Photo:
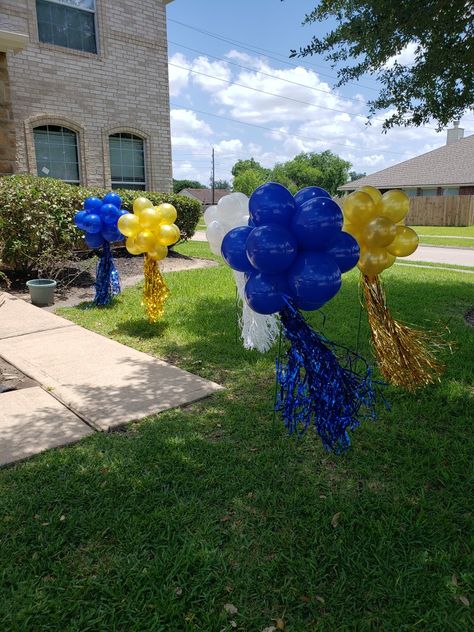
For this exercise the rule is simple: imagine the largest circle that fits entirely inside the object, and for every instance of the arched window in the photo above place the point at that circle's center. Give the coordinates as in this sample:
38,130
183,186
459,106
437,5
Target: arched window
56,153
127,161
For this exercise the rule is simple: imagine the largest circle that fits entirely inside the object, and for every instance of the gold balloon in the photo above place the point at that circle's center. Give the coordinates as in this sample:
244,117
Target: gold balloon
373,261
158,252
141,203
380,232
167,234
390,260
150,218
145,240
405,242
395,205
374,194
132,246
358,208
168,213
355,231
128,225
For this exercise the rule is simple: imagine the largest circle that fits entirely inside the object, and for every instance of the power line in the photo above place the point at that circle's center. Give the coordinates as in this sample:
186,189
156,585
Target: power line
277,131
255,49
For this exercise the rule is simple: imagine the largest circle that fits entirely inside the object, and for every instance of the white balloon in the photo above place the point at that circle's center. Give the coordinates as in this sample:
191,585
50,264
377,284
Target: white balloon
230,209
210,214
215,234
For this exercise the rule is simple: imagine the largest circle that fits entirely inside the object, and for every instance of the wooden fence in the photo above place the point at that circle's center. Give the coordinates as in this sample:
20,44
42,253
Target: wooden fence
439,210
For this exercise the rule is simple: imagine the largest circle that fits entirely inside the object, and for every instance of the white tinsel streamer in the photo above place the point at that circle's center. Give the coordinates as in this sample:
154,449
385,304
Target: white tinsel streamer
258,331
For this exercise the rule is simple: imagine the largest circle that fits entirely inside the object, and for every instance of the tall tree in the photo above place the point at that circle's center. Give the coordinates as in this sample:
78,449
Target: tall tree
438,84
222,184
245,165
248,180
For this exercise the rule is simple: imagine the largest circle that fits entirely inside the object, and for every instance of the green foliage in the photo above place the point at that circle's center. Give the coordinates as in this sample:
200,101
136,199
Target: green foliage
353,175
222,184
438,84
179,185
247,181
325,170
36,218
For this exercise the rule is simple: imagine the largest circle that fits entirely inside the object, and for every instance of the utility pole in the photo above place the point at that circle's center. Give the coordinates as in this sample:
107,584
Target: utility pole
213,177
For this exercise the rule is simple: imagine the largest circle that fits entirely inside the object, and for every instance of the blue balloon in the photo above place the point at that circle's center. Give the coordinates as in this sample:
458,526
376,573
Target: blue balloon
265,293
111,233
308,193
79,218
94,240
271,203
345,251
314,279
109,214
92,223
233,249
317,224
92,204
113,198
271,248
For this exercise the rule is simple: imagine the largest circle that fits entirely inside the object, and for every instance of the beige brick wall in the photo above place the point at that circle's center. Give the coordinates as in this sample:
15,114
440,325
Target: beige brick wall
7,125
122,88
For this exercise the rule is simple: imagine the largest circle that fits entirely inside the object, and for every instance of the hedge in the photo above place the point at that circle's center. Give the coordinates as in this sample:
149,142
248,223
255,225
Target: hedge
36,217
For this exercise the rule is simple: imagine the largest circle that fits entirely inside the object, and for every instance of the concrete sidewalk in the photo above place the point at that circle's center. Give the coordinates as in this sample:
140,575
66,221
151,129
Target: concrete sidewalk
442,254
88,382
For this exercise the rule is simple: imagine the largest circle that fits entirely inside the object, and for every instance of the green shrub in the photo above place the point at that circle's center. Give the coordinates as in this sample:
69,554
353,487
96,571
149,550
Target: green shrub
36,218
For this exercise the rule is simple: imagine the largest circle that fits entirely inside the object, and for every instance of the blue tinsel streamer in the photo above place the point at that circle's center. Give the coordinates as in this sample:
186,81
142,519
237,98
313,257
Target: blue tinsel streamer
316,389
107,284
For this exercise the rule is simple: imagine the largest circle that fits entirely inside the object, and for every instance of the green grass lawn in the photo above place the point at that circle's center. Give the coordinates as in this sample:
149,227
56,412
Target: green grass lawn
159,527
446,235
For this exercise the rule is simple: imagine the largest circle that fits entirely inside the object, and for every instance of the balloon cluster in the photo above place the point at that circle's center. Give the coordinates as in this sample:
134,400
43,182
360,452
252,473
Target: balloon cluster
258,331
374,220
231,211
149,229
293,248
99,219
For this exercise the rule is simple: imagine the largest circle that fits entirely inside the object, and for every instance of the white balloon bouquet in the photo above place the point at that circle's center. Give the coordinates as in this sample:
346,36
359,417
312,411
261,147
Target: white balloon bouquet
258,331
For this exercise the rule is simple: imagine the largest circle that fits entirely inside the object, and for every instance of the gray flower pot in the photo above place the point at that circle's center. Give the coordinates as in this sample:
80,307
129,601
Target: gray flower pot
41,291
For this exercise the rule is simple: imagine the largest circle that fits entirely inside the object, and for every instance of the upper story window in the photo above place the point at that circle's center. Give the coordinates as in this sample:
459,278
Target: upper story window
127,161
69,23
56,153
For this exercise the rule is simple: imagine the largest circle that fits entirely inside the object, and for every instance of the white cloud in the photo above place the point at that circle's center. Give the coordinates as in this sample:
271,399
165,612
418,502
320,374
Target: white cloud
406,57
178,77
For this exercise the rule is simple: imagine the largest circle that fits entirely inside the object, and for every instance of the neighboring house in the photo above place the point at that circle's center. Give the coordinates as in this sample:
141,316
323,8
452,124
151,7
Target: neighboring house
448,170
205,195
84,92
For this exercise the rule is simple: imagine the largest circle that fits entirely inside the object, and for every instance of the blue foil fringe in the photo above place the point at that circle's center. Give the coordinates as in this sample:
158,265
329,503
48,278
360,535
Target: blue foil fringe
315,389
107,283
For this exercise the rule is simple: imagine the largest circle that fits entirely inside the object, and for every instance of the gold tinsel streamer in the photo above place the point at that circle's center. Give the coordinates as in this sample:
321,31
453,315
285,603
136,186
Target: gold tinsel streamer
155,290
406,356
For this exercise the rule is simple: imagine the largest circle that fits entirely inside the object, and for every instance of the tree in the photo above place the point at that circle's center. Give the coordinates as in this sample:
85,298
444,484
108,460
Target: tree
353,175
245,165
179,185
247,181
438,84
222,184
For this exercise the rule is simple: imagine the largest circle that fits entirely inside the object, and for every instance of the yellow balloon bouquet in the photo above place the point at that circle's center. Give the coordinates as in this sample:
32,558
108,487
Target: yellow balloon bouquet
406,356
150,230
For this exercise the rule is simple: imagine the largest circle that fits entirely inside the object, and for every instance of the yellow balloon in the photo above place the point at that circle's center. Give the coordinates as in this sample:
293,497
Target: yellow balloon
145,240
374,194
128,225
149,218
132,246
395,205
372,261
168,213
390,260
380,232
140,203
356,232
405,242
158,252
167,234
358,208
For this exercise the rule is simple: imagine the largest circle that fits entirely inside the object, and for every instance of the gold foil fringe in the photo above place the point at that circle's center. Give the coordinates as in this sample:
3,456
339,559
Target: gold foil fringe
406,356
155,290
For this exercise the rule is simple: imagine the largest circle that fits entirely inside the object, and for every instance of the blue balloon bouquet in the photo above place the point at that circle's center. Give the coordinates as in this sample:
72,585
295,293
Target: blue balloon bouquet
293,253
99,221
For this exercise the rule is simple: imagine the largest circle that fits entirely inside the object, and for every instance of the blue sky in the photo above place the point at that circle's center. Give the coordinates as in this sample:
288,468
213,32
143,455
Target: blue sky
291,105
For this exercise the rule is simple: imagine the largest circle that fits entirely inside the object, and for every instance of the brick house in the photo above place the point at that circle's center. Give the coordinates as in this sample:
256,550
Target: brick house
206,196
84,92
